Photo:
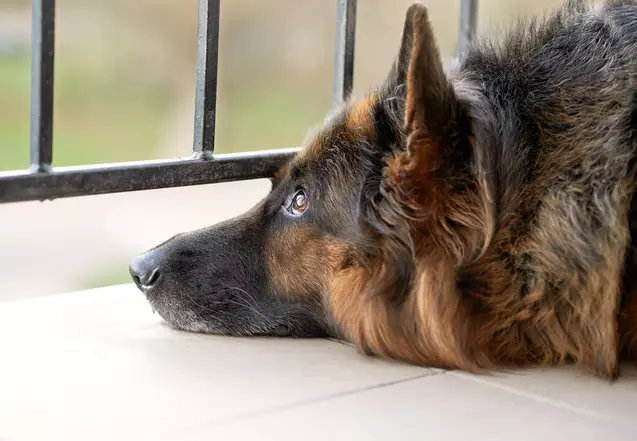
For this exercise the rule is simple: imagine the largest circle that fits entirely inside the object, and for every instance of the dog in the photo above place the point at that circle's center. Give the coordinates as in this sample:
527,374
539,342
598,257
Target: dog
481,218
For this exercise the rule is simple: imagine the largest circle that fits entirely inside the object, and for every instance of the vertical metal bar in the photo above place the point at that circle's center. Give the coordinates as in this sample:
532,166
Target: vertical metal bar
206,84
468,25
344,53
43,53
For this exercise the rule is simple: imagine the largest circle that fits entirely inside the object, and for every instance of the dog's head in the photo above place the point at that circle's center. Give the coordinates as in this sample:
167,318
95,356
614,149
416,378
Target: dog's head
338,239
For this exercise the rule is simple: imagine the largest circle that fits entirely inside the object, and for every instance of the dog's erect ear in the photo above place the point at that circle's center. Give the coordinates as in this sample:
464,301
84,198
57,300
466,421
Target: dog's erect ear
418,68
428,93
435,124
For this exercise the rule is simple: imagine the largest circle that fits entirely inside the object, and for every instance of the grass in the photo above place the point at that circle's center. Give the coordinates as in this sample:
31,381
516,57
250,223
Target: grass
14,113
267,116
100,120
96,119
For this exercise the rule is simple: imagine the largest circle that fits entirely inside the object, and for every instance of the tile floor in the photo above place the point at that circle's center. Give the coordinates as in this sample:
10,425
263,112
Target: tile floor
98,365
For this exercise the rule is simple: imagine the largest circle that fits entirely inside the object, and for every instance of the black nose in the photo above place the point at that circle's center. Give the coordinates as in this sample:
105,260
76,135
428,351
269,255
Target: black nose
145,271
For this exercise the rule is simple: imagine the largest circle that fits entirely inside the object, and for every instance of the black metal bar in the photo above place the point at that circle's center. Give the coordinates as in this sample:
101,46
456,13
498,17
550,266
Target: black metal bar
43,53
42,182
468,25
145,175
344,52
206,84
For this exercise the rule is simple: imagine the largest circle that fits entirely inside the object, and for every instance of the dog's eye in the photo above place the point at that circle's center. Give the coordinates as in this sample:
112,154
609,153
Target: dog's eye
299,203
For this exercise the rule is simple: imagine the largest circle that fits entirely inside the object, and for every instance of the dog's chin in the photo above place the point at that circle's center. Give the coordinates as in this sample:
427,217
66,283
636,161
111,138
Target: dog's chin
179,317
182,320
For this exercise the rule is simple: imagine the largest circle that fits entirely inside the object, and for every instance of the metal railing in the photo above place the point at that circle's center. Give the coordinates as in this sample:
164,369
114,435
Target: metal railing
43,181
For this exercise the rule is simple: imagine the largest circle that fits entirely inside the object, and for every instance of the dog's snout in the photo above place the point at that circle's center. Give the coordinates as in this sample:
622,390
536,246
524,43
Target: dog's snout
145,271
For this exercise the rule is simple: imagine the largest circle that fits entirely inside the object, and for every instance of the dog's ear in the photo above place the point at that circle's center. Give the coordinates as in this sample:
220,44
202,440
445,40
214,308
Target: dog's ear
434,122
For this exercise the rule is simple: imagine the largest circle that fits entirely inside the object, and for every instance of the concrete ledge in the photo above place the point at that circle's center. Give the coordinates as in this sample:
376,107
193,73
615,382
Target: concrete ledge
98,365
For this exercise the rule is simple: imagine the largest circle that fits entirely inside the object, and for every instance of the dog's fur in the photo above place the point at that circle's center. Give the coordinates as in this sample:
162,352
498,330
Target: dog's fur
477,219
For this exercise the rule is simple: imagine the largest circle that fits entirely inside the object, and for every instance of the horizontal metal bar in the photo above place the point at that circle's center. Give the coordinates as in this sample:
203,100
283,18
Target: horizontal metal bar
206,84
42,57
144,175
344,51
468,26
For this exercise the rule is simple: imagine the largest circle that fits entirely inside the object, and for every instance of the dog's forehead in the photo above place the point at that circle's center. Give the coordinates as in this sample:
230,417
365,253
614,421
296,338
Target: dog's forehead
343,133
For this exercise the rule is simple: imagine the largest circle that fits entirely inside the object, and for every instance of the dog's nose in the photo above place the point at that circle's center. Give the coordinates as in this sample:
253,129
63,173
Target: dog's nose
145,271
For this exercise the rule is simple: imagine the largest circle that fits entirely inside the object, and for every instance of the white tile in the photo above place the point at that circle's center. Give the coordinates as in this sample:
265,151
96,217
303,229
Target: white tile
438,407
99,365
570,388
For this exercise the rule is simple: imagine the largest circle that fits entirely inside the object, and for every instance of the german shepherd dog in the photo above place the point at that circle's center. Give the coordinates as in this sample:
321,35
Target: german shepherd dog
481,218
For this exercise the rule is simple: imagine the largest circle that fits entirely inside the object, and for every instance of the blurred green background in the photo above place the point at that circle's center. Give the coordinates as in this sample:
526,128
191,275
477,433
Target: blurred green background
124,77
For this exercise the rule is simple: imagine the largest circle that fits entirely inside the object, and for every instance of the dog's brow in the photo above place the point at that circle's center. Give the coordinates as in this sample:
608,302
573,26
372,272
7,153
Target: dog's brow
280,175
297,172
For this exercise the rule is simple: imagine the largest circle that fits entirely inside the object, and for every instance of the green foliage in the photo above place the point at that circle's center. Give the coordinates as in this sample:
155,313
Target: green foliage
95,120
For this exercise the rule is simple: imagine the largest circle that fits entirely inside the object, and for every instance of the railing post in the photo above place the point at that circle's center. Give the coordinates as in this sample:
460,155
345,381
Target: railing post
206,84
344,52
468,25
42,60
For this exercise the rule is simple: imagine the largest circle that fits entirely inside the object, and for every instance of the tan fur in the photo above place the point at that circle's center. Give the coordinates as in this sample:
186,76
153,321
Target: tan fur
359,118
300,261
